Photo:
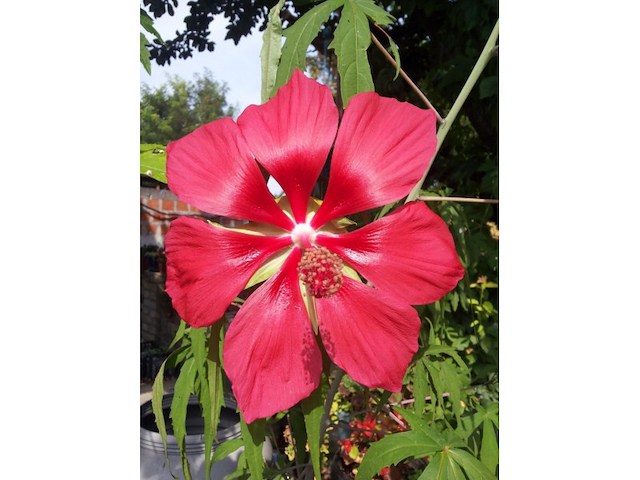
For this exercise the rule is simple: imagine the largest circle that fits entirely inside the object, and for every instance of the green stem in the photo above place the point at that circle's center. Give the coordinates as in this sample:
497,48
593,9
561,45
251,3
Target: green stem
485,56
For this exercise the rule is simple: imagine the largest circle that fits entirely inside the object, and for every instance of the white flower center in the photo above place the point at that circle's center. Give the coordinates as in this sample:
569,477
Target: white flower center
303,235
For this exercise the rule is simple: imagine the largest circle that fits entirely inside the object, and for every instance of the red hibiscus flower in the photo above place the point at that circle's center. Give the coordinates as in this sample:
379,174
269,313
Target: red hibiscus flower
368,328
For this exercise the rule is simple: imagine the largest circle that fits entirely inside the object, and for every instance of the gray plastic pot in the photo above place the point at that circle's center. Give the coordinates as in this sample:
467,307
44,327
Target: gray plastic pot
152,461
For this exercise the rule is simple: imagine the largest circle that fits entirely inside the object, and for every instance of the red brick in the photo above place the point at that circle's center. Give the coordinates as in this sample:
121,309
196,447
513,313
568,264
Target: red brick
153,203
182,207
168,205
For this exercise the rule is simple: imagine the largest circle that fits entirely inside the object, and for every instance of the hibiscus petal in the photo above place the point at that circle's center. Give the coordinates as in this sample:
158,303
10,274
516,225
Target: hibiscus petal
291,136
368,334
409,253
212,169
207,267
270,352
382,149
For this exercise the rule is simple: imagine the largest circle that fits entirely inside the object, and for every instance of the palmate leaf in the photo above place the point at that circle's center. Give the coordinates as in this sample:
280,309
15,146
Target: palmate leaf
376,13
299,36
474,469
153,161
351,41
271,51
448,459
393,449
442,467
487,418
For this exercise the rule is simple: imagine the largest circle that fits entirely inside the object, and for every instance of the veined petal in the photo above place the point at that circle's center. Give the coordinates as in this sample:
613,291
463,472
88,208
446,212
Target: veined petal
212,169
270,352
409,253
382,149
368,334
208,266
291,136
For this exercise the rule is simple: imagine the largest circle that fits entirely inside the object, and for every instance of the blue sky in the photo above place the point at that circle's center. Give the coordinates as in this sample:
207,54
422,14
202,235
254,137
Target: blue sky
237,65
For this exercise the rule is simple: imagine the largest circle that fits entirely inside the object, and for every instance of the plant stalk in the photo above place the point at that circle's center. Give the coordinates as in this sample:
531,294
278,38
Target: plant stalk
483,59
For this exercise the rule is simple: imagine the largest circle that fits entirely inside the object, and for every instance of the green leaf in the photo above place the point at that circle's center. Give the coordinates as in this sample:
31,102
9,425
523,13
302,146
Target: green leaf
396,55
153,161
179,334
442,467
225,449
418,423
393,449
145,57
446,468
202,391
157,394
489,453
386,209
350,42
299,36
420,386
183,389
376,13
271,51
210,415
214,371
453,385
146,22
471,465
253,438
312,409
299,434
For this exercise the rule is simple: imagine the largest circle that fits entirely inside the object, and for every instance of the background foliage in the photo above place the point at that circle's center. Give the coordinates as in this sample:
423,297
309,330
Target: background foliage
179,106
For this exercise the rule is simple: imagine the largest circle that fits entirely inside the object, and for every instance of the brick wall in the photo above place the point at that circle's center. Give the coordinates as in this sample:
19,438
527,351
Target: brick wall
158,207
162,206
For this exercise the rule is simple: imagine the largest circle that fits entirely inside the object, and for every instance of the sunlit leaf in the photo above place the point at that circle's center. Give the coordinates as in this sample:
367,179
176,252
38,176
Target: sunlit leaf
214,373
183,389
253,438
350,42
226,448
489,453
179,334
471,465
299,36
376,13
393,449
420,386
271,51
157,395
